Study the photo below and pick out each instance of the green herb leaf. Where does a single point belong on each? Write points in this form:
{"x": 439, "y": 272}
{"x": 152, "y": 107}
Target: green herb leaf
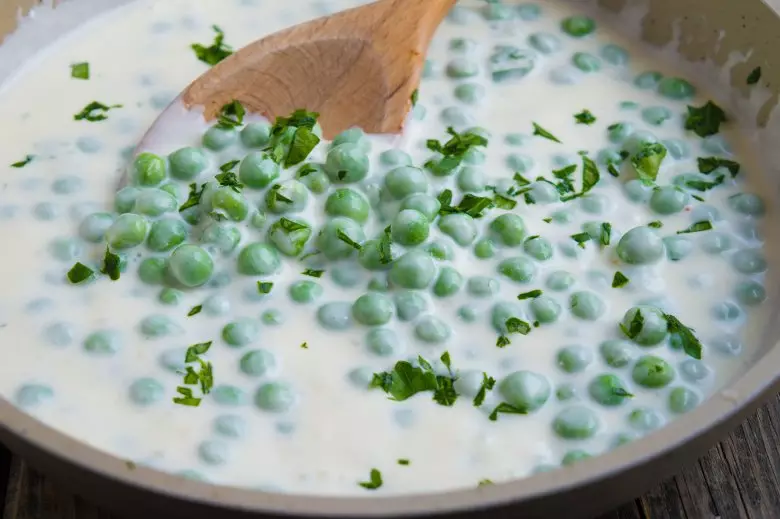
{"x": 655, "y": 224}
{"x": 403, "y": 461}
{"x": 23, "y": 163}
{"x": 445, "y": 393}
{"x": 503, "y": 341}
{"x": 415, "y": 97}
{"x": 289, "y": 226}
{"x": 303, "y": 143}
{"x": 264, "y": 287}
{"x": 186, "y": 398}
{"x": 515, "y": 325}
{"x": 79, "y": 70}
{"x": 231, "y": 115}
{"x": 306, "y": 169}
{"x": 581, "y": 238}
{"x": 703, "y": 185}
{"x": 547, "y": 220}
{"x": 612, "y": 170}
{"x": 80, "y": 273}
{"x": 619, "y": 280}
{"x": 484, "y": 482}
{"x": 533, "y": 294}
{"x": 191, "y": 377}
{"x": 585, "y": 117}
{"x": 647, "y": 161}
{"x": 619, "y": 390}
{"x": 195, "y": 310}
{"x": 690, "y": 343}
{"x": 111, "y": 265}
{"x": 194, "y": 197}
{"x": 374, "y": 482}
{"x": 405, "y": 381}
{"x": 704, "y": 225}
{"x": 590, "y": 177}
{"x": 385, "y": 247}
{"x": 341, "y": 235}
{"x": 503, "y": 202}
{"x": 606, "y": 234}
{"x": 705, "y": 120}
{"x": 474, "y": 205}
{"x": 541, "y": 132}
{"x": 94, "y": 111}
{"x": 194, "y": 351}
{"x": 635, "y": 327}
{"x": 710, "y": 164}
{"x": 505, "y": 408}
{"x": 229, "y": 179}
{"x": 300, "y": 118}
{"x": 488, "y": 383}
{"x": 453, "y": 151}
{"x": 313, "y": 273}
{"x": 754, "y": 76}
{"x": 275, "y": 195}
{"x": 214, "y": 53}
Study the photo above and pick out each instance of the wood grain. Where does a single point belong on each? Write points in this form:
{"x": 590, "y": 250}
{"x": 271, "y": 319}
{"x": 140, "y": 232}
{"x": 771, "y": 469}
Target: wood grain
{"x": 737, "y": 479}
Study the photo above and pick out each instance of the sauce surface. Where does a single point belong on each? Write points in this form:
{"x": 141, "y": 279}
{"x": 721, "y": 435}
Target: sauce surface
{"x": 544, "y": 95}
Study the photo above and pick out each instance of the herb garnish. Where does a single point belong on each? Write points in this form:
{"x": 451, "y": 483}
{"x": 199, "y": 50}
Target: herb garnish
{"x": 231, "y": 115}
{"x": 704, "y": 225}
{"x": 484, "y": 482}
{"x": 454, "y": 150}
{"x": 341, "y": 235}
{"x": 471, "y": 205}
{"x": 515, "y": 325}
{"x": 187, "y": 398}
{"x": 606, "y": 234}
{"x": 313, "y": 273}
{"x": 754, "y": 76}
{"x": 612, "y": 170}
{"x": 619, "y": 280}
{"x": 655, "y": 224}
{"x": 195, "y": 310}
{"x": 647, "y": 161}
{"x": 585, "y": 117}
{"x": 385, "y": 247}
{"x": 80, "y": 273}
{"x": 203, "y": 377}
{"x": 194, "y": 196}
{"x": 505, "y": 408}
{"x": 488, "y": 383}
{"x": 274, "y": 195}
{"x": 305, "y": 345}
{"x": 533, "y": 294}
{"x": 228, "y": 178}
{"x": 375, "y": 480}
{"x": 303, "y": 142}
{"x": 111, "y": 265}
{"x": 690, "y": 344}
{"x": 503, "y": 341}
{"x": 264, "y": 287}
{"x": 216, "y": 52}
{"x": 703, "y": 185}
{"x": 406, "y": 380}
{"x": 415, "y": 97}
{"x": 705, "y": 120}
{"x": 94, "y": 111}
{"x": 590, "y": 177}
{"x": 541, "y": 132}
{"x": 403, "y": 461}
{"x": 581, "y": 238}
{"x": 79, "y": 70}
{"x": 635, "y": 326}
{"x": 710, "y": 164}
{"x": 23, "y": 163}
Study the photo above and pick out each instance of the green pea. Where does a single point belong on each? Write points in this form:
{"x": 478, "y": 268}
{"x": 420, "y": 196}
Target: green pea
{"x": 258, "y": 363}
{"x": 124, "y": 200}
{"x": 127, "y": 231}
{"x": 383, "y": 342}
{"x": 576, "y": 423}
{"x": 675, "y": 88}
{"x": 166, "y": 234}
{"x": 574, "y": 456}
{"x": 747, "y": 204}
{"x": 158, "y": 326}
{"x": 608, "y": 390}
{"x": 573, "y": 359}
{"x": 656, "y": 115}
{"x": 290, "y": 196}
{"x": 609, "y": 156}
{"x": 559, "y": 280}
{"x": 750, "y": 293}
{"x": 525, "y": 390}
{"x": 726, "y": 311}
{"x": 93, "y": 228}
{"x": 462, "y": 68}
{"x": 289, "y": 236}
{"x": 448, "y": 283}
{"x": 229, "y": 426}
{"x": 425, "y": 204}
{"x": 103, "y": 342}
{"x": 586, "y": 62}
{"x": 336, "y": 239}
{"x": 154, "y": 202}
{"x": 335, "y": 316}
{"x": 258, "y": 170}
{"x": 538, "y": 248}
{"x": 256, "y": 135}
{"x": 170, "y": 296}
{"x": 695, "y": 370}
{"x": 471, "y": 180}
{"x": 152, "y": 270}
{"x": 409, "y": 305}
{"x": 33, "y": 395}
{"x": 410, "y": 228}
{"x": 353, "y": 136}
{"x": 240, "y": 333}
{"x": 187, "y": 163}
{"x": 347, "y": 163}
{"x": 218, "y": 138}
{"x": 545, "y": 43}
{"x": 228, "y": 203}
{"x": 190, "y": 265}
{"x": 415, "y": 270}
{"x": 640, "y": 246}
{"x": 467, "y": 313}
{"x": 586, "y": 305}
{"x": 348, "y": 203}
{"x": 395, "y": 158}
{"x": 616, "y": 353}
{"x": 275, "y": 397}
{"x": 545, "y": 309}
{"x": 375, "y": 255}
{"x": 677, "y": 148}
{"x": 432, "y": 330}
{"x": 509, "y": 228}
{"x": 404, "y": 181}
{"x": 305, "y": 291}
{"x": 470, "y": 93}
{"x": 373, "y": 309}
{"x": 146, "y": 391}
{"x": 749, "y": 261}
{"x": 258, "y": 259}
{"x": 677, "y": 247}
{"x": 565, "y": 392}
{"x": 614, "y": 54}
{"x": 653, "y": 372}
{"x": 503, "y": 311}
{"x": 460, "y": 227}
{"x": 148, "y": 170}
{"x": 637, "y": 191}
{"x": 485, "y": 248}
{"x": 715, "y": 242}
{"x": 482, "y": 286}
{"x": 224, "y": 237}
{"x": 652, "y": 325}
{"x": 668, "y": 200}
{"x": 313, "y": 176}
{"x": 578, "y": 26}
{"x": 645, "y": 419}
{"x": 543, "y": 193}
{"x": 648, "y": 80}
{"x": 637, "y": 140}
{"x": 518, "y": 269}
{"x": 682, "y": 400}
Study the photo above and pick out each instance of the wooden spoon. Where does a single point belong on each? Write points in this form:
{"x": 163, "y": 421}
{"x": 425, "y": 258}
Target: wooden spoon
{"x": 358, "y": 67}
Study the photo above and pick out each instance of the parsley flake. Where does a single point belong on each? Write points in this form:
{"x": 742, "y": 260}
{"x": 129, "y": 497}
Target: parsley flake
{"x": 264, "y": 287}
{"x": 187, "y": 397}
{"x": 94, "y": 112}
{"x": 403, "y": 461}
{"x": 80, "y": 273}
{"x": 635, "y": 326}
{"x": 453, "y": 151}
{"x": 193, "y": 199}
{"x": 581, "y": 238}
{"x": 585, "y": 117}
{"x": 505, "y": 408}
{"x": 606, "y": 234}
{"x": 484, "y": 482}
{"x": 231, "y": 115}
{"x": 515, "y": 325}
{"x": 79, "y": 70}
{"x": 710, "y": 164}
{"x": 111, "y": 265}
{"x": 590, "y": 177}
{"x": 305, "y": 345}
{"x": 705, "y": 120}
{"x": 541, "y": 132}
{"x": 195, "y": 310}
{"x": 704, "y": 225}
{"x": 647, "y": 161}
{"x": 690, "y": 343}
{"x": 313, "y": 273}
{"x": 385, "y": 247}
{"x": 228, "y": 178}
{"x": 754, "y": 76}
{"x": 216, "y": 52}
{"x": 341, "y": 235}
{"x": 533, "y": 294}
{"x": 488, "y": 383}
{"x": 612, "y": 170}
{"x": 375, "y": 480}
{"x": 406, "y": 380}
{"x": 619, "y": 280}
{"x": 415, "y": 97}
{"x": 23, "y": 163}
{"x": 503, "y": 341}
{"x": 655, "y": 224}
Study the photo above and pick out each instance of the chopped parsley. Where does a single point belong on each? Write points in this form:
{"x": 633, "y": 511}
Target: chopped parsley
{"x": 111, "y": 265}
{"x": 415, "y": 97}
{"x": 375, "y": 480}
{"x": 231, "y": 115}
{"x": 515, "y": 325}
{"x": 264, "y": 287}
{"x": 547, "y": 220}
{"x": 385, "y": 247}
{"x": 590, "y": 177}
{"x": 705, "y": 120}
{"x": 289, "y": 226}
{"x": 403, "y": 461}
{"x": 503, "y": 341}
{"x": 647, "y": 161}
{"x": 406, "y": 380}
{"x": 703, "y": 185}
{"x": 216, "y": 52}
{"x": 488, "y": 383}
{"x": 684, "y": 335}
{"x": 204, "y": 377}
{"x": 193, "y": 199}
{"x": 619, "y": 280}
{"x": 505, "y": 408}
{"x": 80, "y": 273}
{"x": 94, "y": 112}
{"x": 704, "y": 225}
{"x": 228, "y": 178}
{"x": 533, "y": 294}
{"x": 502, "y": 202}
{"x": 635, "y": 326}
{"x": 79, "y": 70}
{"x": 606, "y": 234}
{"x": 754, "y": 76}
{"x": 303, "y": 142}
{"x": 313, "y": 273}
{"x": 612, "y": 170}
{"x": 23, "y": 163}
{"x": 471, "y": 205}
{"x": 195, "y": 310}
{"x": 655, "y": 224}
{"x": 186, "y": 397}
{"x": 453, "y": 151}
{"x": 541, "y": 132}
{"x": 585, "y": 117}
{"x": 305, "y": 345}
{"x": 484, "y": 482}
{"x": 581, "y": 238}
{"x": 274, "y": 195}
{"x": 710, "y": 164}
{"x": 341, "y": 235}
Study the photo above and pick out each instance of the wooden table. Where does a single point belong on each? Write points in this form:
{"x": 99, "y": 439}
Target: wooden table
{"x": 738, "y": 478}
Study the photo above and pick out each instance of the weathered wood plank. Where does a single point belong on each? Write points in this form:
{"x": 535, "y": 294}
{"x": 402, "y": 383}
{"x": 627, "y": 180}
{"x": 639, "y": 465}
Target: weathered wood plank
{"x": 663, "y": 502}
{"x": 5, "y": 469}
{"x": 694, "y": 493}
{"x": 722, "y": 485}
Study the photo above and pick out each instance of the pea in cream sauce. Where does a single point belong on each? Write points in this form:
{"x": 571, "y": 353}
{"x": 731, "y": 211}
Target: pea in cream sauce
{"x": 99, "y": 361}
